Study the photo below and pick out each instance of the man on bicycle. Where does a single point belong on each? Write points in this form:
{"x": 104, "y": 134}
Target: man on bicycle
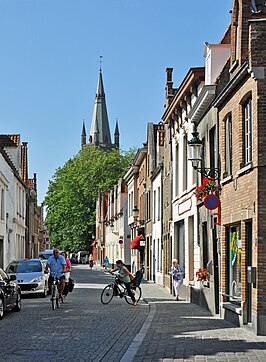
{"x": 57, "y": 264}
{"x": 124, "y": 277}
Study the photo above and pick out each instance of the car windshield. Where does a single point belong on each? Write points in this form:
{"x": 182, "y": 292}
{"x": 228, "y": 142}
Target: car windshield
{"x": 25, "y": 266}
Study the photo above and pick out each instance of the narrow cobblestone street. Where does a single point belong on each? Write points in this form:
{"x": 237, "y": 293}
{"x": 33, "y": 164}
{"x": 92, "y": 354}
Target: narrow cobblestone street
{"x": 158, "y": 329}
{"x": 82, "y": 329}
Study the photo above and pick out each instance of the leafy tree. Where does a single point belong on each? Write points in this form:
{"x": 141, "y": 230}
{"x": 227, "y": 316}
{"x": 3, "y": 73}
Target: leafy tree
{"x": 73, "y": 191}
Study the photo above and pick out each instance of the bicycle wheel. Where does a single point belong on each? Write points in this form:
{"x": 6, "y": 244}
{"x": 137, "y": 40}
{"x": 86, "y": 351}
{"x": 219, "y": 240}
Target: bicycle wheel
{"x": 57, "y": 299}
{"x": 107, "y": 294}
{"x": 136, "y": 291}
{"x": 53, "y": 296}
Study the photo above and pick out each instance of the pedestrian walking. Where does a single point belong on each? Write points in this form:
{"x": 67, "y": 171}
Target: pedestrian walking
{"x": 177, "y": 278}
{"x": 105, "y": 262}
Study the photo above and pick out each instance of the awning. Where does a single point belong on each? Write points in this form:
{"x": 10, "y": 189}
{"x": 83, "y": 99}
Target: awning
{"x": 135, "y": 243}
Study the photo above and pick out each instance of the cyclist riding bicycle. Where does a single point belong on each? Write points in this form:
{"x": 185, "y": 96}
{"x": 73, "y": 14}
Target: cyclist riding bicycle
{"x": 57, "y": 264}
{"x": 124, "y": 277}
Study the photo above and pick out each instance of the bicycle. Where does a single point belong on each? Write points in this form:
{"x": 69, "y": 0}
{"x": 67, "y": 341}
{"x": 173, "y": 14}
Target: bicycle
{"x": 55, "y": 291}
{"x": 109, "y": 292}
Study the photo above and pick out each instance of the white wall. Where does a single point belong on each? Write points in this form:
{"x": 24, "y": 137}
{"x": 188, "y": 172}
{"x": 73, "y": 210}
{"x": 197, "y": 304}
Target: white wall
{"x": 157, "y": 229}
{"x": 12, "y": 228}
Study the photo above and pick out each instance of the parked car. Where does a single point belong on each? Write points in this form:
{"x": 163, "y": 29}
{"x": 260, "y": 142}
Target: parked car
{"x": 47, "y": 253}
{"x": 73, "y": 260}
{"x": 10, "y": 294}
{"x": 30, "y": 276}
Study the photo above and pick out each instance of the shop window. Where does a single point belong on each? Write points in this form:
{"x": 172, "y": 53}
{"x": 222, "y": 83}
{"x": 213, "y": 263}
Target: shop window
{"x": 234, "y": 263}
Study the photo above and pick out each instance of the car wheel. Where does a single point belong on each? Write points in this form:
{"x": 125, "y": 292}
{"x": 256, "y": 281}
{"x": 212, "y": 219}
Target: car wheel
{"x": 17, "y": 307}
{"x": 1, "y": 309}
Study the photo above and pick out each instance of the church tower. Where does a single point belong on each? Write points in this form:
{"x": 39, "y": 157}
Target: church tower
{"x": 100, "y": 131}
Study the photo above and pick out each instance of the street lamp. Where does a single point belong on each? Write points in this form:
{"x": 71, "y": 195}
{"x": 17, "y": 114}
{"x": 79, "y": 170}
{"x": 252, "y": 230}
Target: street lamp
{"x": 115, "y": 232}
{"x": 194, "y": 155}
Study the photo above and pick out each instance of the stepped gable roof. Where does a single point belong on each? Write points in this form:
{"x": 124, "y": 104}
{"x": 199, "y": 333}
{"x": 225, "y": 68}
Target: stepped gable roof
{"x": 7, "y": 141}
{"x": 31, "y": 183}
{"x": 100, "y": 123}
{"x": 15, "y": 138}
{"x": 24, "y": 162}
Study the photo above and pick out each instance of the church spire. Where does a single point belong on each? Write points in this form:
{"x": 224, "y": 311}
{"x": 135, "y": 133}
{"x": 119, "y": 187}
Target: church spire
{"x": 100, "y": 123}
{"x": 83, "y": 135}
{"x": 116, "y": 135}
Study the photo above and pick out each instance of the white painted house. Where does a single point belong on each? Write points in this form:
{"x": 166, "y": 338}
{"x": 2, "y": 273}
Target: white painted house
{"x": 12, "y": 209}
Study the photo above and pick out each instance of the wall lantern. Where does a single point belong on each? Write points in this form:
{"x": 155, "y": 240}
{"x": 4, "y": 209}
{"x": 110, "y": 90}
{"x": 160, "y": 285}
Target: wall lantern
{"x": 135, "y": 212}
{"x": 195, "y": 156}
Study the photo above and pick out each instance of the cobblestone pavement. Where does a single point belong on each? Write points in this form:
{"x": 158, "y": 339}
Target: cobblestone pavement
{"x": 180, "y": 331}
{"x": 158, "y": 329}
{"x": 82, "y": 329}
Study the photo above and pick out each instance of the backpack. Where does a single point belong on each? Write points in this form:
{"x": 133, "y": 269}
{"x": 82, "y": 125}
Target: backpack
{"x": 138, "y": 278}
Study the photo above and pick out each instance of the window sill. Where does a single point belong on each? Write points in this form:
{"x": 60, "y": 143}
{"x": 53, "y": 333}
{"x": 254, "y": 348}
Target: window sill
{"x": 245, "y": 169}
{"x": 232, "y": 307}
{"x": 226, "y": 180}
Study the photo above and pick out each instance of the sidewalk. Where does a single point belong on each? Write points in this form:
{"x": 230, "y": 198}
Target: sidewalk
{"x": 181, "y": 331}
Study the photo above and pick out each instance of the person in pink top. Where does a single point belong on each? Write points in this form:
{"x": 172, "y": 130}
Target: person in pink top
{"x": 67, "y": 273}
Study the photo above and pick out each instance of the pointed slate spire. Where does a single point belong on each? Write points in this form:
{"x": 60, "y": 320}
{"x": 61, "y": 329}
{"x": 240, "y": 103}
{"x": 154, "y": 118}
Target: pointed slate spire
{"x": 100, "y": 117}
{"x": 117, "y": 134}
{"x": 96, "y": 134}
{"x": 83, "y": 135}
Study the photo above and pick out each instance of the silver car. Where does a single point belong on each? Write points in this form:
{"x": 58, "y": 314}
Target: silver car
{"x": 30, "y": 276}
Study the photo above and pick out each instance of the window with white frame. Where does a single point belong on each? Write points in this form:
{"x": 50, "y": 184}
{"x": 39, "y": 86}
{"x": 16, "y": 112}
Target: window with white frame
{"x": 2, "y": 214}
{"x": 154, "y": 205}
{"x": 247, "y": 118}
{"x": 176, "y": 169}
{"x": 185, "y": 161}
{"x": 228, "y": 145}
{"x": 159, "y": 204}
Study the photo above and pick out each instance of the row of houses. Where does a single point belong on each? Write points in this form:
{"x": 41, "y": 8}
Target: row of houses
{"x": 211, "y": 140}
{"x": 22, "y": 231}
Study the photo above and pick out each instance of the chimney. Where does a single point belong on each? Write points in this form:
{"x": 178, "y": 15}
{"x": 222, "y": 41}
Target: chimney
{"x": 169, "y": 93}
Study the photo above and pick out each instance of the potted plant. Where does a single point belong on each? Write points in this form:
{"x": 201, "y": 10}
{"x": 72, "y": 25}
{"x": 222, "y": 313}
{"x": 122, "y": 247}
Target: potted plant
{"x": 203, "y": 276}
{"x": 208, "y": 187}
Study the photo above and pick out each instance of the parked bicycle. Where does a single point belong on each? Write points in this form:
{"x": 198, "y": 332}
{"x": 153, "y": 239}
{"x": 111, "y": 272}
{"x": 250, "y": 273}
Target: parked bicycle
{"x": 55, "y": 290}
{"x": 115, "y": 287}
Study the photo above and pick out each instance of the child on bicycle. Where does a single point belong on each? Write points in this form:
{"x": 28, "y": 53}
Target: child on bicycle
{"x": 124, "y": 277}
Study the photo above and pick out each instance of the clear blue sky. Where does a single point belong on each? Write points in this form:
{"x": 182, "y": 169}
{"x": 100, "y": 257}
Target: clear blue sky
{"x": 49, "y": 67}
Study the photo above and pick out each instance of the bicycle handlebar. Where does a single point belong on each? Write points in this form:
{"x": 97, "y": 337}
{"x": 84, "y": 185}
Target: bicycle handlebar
{"x": 56, "y": 273}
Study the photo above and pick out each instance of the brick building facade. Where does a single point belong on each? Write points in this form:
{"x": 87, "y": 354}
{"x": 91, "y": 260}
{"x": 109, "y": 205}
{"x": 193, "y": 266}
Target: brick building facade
{"x": 241, "y": 112}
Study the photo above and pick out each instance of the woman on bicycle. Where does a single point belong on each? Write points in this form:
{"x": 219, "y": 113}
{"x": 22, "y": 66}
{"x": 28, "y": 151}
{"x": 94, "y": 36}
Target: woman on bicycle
{"x": 67, "y": 273}
{"x": 124, "y": 277}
